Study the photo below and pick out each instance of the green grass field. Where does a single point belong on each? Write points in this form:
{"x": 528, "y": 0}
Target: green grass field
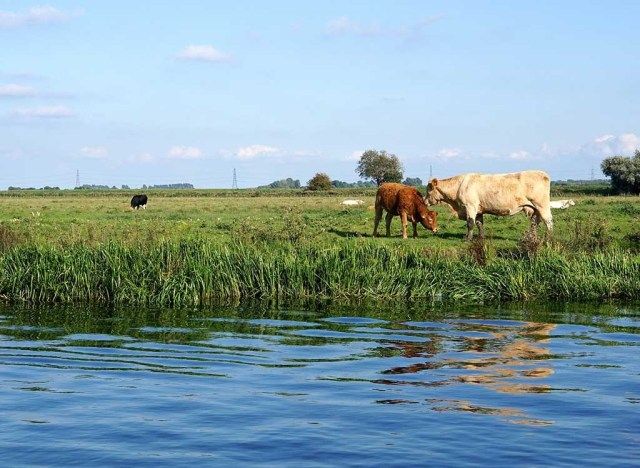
{"x": 69, "y": 217}
{"x": 200, "y": 247}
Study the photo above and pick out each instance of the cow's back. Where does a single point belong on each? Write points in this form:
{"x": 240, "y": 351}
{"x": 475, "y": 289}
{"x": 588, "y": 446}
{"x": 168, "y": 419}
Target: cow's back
{"x": 500, "y": 193}
{"x": 387, "y": 195}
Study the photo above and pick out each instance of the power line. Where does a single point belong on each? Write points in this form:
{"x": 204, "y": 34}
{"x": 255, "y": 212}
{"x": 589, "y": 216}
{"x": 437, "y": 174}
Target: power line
{"x": 234, "y": 185}
{"x": 77, "y": 178}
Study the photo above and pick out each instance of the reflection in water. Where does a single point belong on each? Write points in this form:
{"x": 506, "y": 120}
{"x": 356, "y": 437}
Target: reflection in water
{"x": 230, "y": 382}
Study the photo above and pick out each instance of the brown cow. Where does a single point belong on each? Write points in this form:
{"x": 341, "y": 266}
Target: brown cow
{"x": 473, "y": 195}
{"x": 407, "y": 202}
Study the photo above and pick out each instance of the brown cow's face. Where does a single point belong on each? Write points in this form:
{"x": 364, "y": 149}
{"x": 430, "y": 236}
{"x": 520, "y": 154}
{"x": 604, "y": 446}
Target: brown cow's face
{"x": 433, "y": 196}
{"x": 429, "y": 220}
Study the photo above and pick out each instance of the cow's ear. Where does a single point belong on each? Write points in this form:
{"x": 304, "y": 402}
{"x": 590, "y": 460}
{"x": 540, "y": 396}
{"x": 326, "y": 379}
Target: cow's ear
{"x": 434, "y": 182}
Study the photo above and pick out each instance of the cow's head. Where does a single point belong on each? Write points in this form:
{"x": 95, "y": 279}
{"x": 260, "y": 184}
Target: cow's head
{"x": 428, "y": 218}
{"x": 433, "y": 196}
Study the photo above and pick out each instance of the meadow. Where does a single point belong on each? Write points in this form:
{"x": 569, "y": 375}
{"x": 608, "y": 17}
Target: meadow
{"x": 198, "y": 246}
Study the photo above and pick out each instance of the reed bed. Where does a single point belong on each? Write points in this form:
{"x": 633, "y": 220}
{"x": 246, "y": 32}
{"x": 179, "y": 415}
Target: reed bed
{"x": 198, "y": 273}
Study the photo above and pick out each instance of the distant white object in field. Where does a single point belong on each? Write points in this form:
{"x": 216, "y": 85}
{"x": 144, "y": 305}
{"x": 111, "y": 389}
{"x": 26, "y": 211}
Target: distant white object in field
{"x": 351, "y": 202}
{"x": 561, "y": 204}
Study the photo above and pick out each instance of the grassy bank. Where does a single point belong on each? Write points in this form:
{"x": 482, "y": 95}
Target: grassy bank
{"x": 96, "y": 219}
{"x": 190, "y": 249}
{"x": 192, "y": 273}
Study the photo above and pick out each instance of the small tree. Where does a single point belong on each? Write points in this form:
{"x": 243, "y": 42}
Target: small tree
{"x": 624, "y": 172}
{"x": 413, "y": 181}
{"x": 320, "y": 181}
{"x": 379, "y": 166}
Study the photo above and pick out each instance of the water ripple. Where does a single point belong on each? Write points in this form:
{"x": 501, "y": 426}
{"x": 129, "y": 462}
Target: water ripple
{"x": 292, "y": 388}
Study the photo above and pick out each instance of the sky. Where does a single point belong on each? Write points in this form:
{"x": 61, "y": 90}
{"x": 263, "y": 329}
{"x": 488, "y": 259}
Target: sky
{"x": 164, "y": 92}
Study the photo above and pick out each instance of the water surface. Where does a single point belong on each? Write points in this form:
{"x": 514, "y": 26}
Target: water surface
{"x": 551, "y": 385}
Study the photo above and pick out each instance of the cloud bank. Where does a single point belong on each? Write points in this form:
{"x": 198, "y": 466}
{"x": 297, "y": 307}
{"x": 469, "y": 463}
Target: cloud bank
{"x": 203, "y": 53}
{"x": 43, "y": 112}
{"x": 34, "y": 16}
{"x": 255, "y": 151}
{"x": 94, "y": 152}
{"x": 16, "y": 90}
{"x": 185, "y": 152}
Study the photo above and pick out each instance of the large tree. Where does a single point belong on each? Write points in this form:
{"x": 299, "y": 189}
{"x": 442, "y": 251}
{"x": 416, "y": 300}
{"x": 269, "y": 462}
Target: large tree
{"x": 624, "y": 172}
{"x": 379, "y": 166}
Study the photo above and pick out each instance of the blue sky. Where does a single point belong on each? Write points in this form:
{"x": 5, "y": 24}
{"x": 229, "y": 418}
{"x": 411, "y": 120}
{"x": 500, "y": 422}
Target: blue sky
{"x": 160, "y": 92}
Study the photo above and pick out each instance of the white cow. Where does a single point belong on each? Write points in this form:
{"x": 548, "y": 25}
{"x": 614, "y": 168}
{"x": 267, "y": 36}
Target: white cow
{"x": 473, "y": 195}
{"x": 561, "y": 204}
{"x": 351, "y": 202}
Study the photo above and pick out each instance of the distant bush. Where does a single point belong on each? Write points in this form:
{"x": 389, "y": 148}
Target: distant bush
{"x": 182, "y": 185}
{"x": 46, "y": 187}
{"x": 320, "y": 181}
{"x": 92, "y": 187}
{"x": 284, "y": 183}
{"x": 358, "y": 184}
{"x": 413, "y": 181}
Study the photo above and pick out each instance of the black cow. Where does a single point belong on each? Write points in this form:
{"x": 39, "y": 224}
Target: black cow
{"x": 139, "y": 201}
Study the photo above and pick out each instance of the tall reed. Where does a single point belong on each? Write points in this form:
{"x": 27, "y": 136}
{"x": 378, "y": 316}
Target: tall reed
{"x": 196, "y": 272}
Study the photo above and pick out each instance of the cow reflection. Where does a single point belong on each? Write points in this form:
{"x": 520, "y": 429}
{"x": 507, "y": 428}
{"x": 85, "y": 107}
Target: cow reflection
{"x": 501, "y": 357}
{"x": 495, "y": 360}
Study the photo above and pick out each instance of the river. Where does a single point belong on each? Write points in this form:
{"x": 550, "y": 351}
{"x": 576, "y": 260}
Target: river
{"x": 555, "y": 384}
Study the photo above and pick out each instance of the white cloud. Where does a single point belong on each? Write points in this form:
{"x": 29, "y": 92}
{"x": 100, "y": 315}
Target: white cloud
{"x": 345, "y": 26}
{"x": 355, "y": 155}
{"x": 203, "y": 53}
{"x": 16, "y": 90}
{"x": 520, "y": 155}
{"x": 611, "y": 145}
{"x": 94, "y": 152}
{"x": 448, "y": 153}
{"x": 44, "y": 112}
{"x": 35, "y": 15}
{"x": 305, "y": 153}
{"x": 185, "y": 152}
{"x": 255, "y": 151}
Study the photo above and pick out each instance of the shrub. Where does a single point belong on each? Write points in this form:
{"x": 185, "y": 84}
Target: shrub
{"x": 624, "y": 173}
{"x": 320, "y": 181}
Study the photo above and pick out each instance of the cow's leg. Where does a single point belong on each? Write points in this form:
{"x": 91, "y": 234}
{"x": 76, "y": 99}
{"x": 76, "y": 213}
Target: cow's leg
{"x": 471, "y": 221}
{"x": 403, "y": 218}
{"x": 548, "y": 220}
{"x": 544, "y": 214}
{"x": 387, "y": 221}
{"x": 144, "y": 207}
{"x": 480, "y": 224}
{"x": 415, "y": 229}
{"x": 377, "y": 220}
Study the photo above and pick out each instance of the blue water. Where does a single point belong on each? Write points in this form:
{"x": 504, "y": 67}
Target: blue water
{"x": 552, "y": 385}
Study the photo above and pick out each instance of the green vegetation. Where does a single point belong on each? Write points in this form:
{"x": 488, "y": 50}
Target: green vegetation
{"x": 379, "y": 166}
{"x": 195, "y": 272}
{"x": 413, "y": 181}
{"x": 624, "y": 173}
{"x": 320, "y": 181}
{"x": 196, "y": 246}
